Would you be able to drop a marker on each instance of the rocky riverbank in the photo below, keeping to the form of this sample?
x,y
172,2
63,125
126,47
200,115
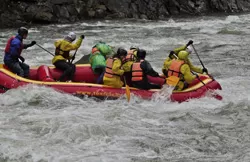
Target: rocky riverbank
x,y
15,13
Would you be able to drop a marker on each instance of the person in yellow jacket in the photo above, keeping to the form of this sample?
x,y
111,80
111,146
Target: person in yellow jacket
x,y
113,71
180,68
176,52
127,63
62,54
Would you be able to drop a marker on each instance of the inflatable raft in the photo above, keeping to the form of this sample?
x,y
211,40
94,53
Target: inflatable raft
x,y
84,84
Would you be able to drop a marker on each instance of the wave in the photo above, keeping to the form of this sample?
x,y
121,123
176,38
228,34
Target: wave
x,y
230,31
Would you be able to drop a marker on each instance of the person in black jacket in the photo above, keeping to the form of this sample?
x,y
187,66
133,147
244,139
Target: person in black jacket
x,y
140,69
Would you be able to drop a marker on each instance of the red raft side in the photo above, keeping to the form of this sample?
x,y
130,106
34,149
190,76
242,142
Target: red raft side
x,y
83,73
9,80
197,89
85,79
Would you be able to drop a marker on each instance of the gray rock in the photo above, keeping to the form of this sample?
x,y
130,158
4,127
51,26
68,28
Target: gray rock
x,y
60,2
14,13
43,17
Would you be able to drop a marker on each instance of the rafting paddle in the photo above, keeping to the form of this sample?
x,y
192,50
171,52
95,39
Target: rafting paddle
x,y
127,89
201,62
45,49
198,56
73,57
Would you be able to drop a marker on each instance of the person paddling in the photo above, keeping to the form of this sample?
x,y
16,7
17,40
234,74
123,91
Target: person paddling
x,y
180,68
176,52
13,52
62,54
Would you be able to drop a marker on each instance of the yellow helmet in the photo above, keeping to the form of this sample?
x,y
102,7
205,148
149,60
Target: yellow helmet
x,y
183,55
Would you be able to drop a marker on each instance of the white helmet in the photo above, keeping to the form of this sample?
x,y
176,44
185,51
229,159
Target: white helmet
x,y
189,49
71,36
134,47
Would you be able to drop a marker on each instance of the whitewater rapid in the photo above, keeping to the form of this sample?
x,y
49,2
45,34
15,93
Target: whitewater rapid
x,y
39,124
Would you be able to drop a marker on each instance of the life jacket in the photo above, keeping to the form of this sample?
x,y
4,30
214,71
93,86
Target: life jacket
x,y
58,51
108,71
8,45
137,72
174,69
94,50
130,57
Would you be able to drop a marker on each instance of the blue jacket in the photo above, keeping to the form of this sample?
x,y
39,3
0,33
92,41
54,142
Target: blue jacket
x,y
14,48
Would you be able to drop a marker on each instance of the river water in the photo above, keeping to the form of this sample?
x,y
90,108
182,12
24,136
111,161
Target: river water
x,y
38,124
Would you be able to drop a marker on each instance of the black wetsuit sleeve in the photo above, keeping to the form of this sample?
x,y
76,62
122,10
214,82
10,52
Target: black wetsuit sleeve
x,y
148,70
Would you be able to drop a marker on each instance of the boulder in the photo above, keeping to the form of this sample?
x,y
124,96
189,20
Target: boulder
x,y
16,13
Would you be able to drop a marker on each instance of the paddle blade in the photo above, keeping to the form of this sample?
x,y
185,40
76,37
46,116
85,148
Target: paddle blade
x,y
128,93
172,80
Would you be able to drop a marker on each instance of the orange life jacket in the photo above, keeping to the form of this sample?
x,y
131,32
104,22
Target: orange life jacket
x,y
108,71
175,67
94,50
130,57
137,72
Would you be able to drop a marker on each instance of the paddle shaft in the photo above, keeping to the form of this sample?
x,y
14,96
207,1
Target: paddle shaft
x,y
74,56
201,61
198,78
45,50
127,89
198,56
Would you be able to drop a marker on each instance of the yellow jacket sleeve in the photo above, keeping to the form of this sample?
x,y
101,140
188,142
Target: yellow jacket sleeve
x,y
188,76
57,43
73,46
67,46
77,44
166,63
193,68
182,48
117,67
127,66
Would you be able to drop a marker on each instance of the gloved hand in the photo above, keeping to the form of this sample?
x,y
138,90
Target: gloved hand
x,y
204,70
82,36
33,43
171,54
22,59
189,43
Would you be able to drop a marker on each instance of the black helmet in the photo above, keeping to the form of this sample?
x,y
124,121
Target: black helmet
x,y
22,31
121,52
141,53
